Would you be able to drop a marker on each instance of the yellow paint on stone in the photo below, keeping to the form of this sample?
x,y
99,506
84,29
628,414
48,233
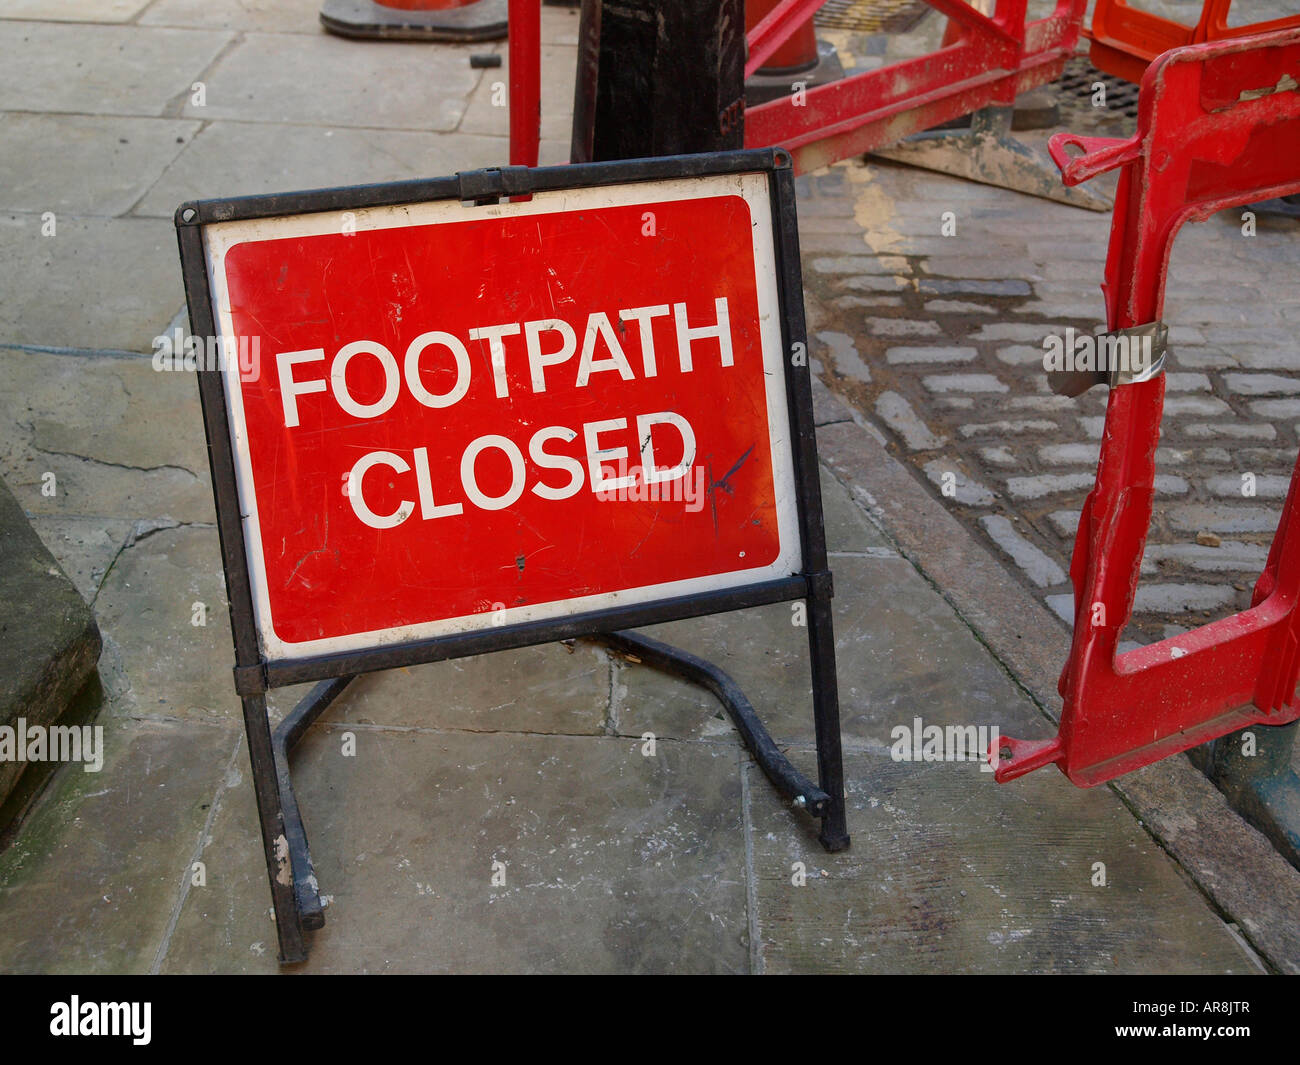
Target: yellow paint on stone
x,y
873,208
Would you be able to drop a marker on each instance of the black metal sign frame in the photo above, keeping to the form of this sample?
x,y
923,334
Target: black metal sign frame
x,y
296,898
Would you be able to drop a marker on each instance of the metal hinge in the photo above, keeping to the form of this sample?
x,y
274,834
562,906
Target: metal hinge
x,y
821,584
250,680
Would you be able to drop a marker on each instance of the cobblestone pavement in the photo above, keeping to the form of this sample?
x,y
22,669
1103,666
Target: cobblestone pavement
x,y
940,339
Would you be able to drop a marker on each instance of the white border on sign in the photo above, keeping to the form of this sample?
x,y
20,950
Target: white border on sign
x,y
220,237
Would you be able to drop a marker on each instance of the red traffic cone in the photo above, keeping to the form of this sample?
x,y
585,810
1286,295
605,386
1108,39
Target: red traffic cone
x,y
800,59
416,20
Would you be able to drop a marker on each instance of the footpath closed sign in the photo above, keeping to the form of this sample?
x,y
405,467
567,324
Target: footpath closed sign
x,y
466,417
503,408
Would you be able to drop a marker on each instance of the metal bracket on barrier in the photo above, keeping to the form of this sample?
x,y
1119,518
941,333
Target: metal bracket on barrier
x,y
1116,362
1132,371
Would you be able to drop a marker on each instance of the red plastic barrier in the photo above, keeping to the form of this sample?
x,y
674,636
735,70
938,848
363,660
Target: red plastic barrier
x,y
1126,39
1218,127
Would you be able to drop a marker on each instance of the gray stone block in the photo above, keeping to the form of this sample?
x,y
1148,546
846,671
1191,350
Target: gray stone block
x,y
49,642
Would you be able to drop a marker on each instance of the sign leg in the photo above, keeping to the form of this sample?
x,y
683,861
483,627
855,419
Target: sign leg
x,y
790,784
270,813
305,890
826,717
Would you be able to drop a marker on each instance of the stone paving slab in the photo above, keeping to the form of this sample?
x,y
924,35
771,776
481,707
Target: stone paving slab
x,y
552,689
613,862
267,16
247,158
898,657
1237,866
82,164
401,86
104,283
929,886
848,531
100,70
84,547
90,884
73,10
559,25
122,439
158,662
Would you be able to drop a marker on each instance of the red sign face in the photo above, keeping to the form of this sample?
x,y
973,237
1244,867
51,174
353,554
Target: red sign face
x,y
463,417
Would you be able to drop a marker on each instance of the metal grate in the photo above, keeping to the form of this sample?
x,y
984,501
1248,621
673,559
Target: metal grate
x,y
1073,92
871,16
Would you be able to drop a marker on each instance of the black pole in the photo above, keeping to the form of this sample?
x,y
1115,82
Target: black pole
x,y
659,78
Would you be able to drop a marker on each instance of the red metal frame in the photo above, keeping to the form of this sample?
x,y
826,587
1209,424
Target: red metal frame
x,y
775,28
993,59
1218,127
990,62
1126,39
799,50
